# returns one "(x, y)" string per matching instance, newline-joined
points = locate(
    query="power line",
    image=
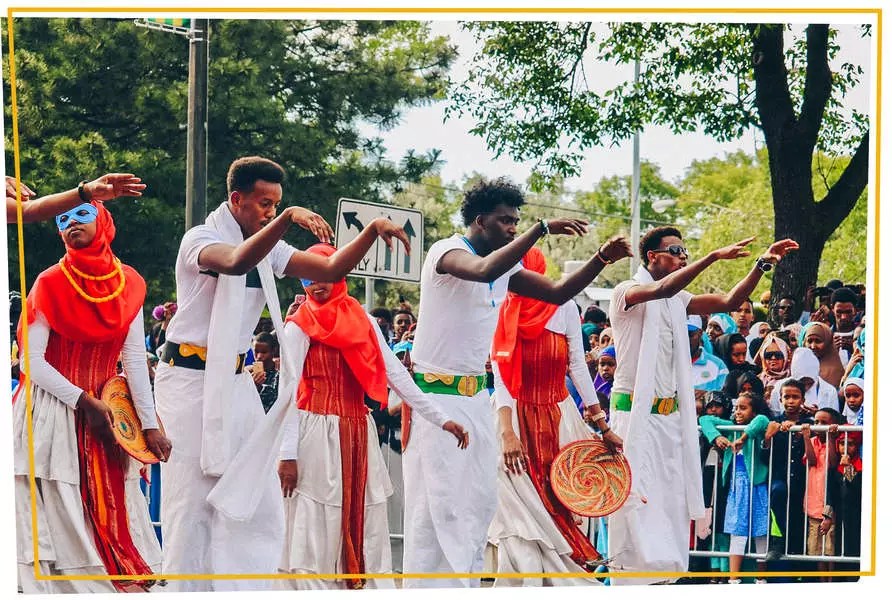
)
(587, 213)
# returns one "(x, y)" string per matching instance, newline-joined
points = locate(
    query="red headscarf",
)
(342, 323)
(67, 311)
(519, 317)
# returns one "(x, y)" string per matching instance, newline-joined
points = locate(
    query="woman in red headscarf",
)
(534, 346)
(82, 314)
(332, 471)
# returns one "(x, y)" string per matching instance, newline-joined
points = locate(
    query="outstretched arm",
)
(338, 265)
(103, 189)
(471, 267)
(713, 303)
(533, 285)
(675, 282)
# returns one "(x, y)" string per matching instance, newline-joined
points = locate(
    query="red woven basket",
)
(589, 479)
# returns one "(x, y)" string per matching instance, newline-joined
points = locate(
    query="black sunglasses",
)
(774, 356)
(674, 250)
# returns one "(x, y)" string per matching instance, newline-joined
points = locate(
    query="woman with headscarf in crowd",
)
(819, 339)
(746, 381)
(773, 358)
(754, 340)
(720, 324)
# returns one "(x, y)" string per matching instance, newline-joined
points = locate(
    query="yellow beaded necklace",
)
(119, 271)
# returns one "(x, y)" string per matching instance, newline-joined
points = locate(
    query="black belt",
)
(189, 356)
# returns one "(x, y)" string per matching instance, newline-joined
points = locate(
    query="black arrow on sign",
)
(350, 219)
(410, 233)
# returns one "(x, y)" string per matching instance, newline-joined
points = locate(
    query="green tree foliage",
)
(102, 95)
(531, 97)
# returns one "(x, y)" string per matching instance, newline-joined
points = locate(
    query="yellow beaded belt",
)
(190, 356)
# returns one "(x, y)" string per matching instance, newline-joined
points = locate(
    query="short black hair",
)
(484, 196)
(264, 324)
(383, 313)
(245, 171)
(403, 311)
(269, 338)
(835, 416)
(834, 284)
(593, 314)
(653, 238)
(844, 295)
(745, 301)
(796, 384)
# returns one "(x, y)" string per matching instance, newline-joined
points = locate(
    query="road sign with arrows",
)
(382, 262)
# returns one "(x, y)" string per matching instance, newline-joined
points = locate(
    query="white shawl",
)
(243, 483)
(222, 353)
(635, 440)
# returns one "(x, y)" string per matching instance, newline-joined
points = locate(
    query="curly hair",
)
(652, 239)
(245, 171)
(484, 196)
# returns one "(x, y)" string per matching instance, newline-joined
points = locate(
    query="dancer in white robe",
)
(207, 402)
(648, 314)
(450, 495)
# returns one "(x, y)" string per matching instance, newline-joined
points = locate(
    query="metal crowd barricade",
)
(152, 491)
(844, 431)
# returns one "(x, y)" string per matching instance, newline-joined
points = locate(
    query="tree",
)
(530, 95)
(99, 95)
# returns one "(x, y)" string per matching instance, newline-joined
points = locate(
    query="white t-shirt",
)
(196, 287)
(628, 328)
(456, 318)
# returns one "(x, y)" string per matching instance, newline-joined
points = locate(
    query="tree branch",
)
(841, 198)
(770, 74)
(818, 85)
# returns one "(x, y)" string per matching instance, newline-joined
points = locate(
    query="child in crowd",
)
(853, 392)
(265, 370)
(821, 457)
(746, 474)
(787, 454)
(846, 488)
(715, 490)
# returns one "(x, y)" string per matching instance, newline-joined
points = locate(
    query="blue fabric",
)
(725, 321)
(737, 511)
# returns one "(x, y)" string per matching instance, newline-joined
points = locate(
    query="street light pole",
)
(636, 183)
(197, 143)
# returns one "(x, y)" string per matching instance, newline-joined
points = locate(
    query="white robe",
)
(651, 531)
(313, 514)
(65, 542)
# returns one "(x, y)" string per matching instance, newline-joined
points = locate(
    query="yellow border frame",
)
(878, 12)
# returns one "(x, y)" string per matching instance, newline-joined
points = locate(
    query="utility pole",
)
(636, 184)
(197, 31)
(197, 142)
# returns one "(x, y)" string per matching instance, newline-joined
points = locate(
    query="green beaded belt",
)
(661, 406)
(457, 385)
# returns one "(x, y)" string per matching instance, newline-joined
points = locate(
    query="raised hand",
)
(312, 223)
(779, 249)
(114, 185)
(567, 226)
(158, 444)
(11, 189)
(616, 248)
(387, 230)
(737, 250)
(459, 432)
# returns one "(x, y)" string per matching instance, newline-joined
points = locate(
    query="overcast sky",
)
(424, 128)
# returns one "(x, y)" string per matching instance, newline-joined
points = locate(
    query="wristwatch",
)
(764, 265)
